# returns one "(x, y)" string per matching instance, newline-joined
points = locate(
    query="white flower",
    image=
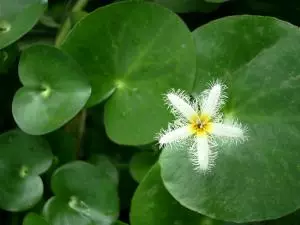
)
(199, 122)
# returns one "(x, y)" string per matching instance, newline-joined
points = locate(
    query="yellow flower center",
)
(201, 125)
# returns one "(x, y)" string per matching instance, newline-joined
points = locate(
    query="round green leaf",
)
(137, 52)
(23, 158)
(34, 219)
(17, 18)
(140, 164)
(258, 59)
(153, 205)
(54, 91)
(84, 195)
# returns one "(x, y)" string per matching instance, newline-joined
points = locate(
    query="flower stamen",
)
(202, 125)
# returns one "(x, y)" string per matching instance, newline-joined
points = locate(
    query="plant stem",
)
(66, 26)
(76, 127)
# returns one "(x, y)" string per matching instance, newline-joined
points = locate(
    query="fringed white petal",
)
(212, 100)
(175, 135)
(177, 101)
(202, 155)
(234, 131)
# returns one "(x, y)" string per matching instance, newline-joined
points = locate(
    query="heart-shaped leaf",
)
(145, 50)
(17, 18)
(23, 158)
(258, 59)
(55, 90)
(84, 195)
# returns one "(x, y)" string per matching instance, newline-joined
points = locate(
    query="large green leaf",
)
(153, 205)
(17, 18)
(23, 159)
(258, 58)
(84, 194)
(54, 91)
(137, 52)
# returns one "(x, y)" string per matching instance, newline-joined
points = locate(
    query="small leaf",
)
(23, 159)
(54, 91)
(17, 18)
(84, 195)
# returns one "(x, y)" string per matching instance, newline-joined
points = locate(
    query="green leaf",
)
(23, 159)
(17, 18)
(153, 205)
(54, 91)
(84, 195)
(34, 219)
(140, 164)
(184, 6)
(137, 52)
(258, 59)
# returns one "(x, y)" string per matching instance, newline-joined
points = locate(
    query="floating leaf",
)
(17, 18)
(137, 52)
(54, 91)
(258, 59)
(84, 195)
(23, 158)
